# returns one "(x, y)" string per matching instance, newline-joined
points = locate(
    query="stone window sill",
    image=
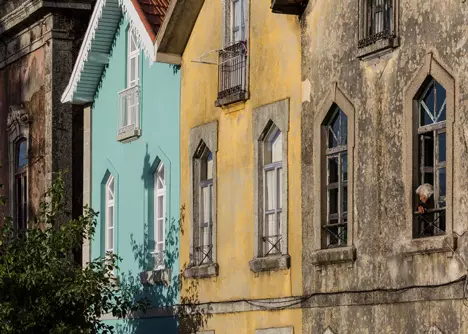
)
(270, 263)
(129, 135)
(156, 277)
(202, 271)
(233, 98)
(437, 244)
(378, 48)
(334, 255)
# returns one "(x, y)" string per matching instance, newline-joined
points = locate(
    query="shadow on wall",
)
(163, 316)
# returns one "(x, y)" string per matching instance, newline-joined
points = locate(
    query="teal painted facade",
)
(133, 165)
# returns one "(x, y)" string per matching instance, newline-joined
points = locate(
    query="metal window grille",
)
(377, 21)
(336, 159)
(159, 259)
(432, 164)
(232, 70)
(129, 109)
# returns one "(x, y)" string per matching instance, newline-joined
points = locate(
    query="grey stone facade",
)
(40, 41)
(387, 282)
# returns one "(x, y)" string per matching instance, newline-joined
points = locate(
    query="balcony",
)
(291, 7)
(129, 114)
(232, 85)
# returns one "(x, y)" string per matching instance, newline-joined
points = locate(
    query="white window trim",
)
(157, 193)
(135, 54)
(110, 203)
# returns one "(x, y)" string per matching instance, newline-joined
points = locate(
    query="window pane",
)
(160, 247)
(442, 147)
(206, 204)
(270, 190)
(280, 188)
(160, 207)
(132, 74)
(333, 234)
(110, 238)
(345, 199)
(427, 107)
(441, 106)
(428, 178)
(272, 225)
(331, 138)
(22, 154)
(206, 237)
(209, 166)
(161, 176)
(110, 216)
(332, 170)
(333, 201)
(442, 182)
(428, 144)
(344, 128)
(160, 236)
(276, 147)
(344, 166)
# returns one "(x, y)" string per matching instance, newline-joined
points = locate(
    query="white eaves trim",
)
(67, 95)
(85, 51)
(135, 23)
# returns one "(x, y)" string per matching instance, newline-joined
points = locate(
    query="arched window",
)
(159, 217)
(273, 183)
(432, 158)
(205, 241)
(335, 161)
(110, 215)
(21, 184)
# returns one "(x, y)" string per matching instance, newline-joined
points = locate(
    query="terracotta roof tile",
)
(152, 14)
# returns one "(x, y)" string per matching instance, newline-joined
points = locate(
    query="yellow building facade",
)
(241, 82)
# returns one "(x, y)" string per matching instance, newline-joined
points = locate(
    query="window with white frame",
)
(159, 217)
(273, 184)
(129, 115)
(110, 215)
(237, 22)
(335, 138)
(205, 244)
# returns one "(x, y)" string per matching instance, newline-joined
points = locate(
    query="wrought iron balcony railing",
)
(429, 223)
(129, 109)
(203, 255)
(232, 84)
(159, 259)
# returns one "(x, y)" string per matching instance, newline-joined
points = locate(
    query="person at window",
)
(425, 192)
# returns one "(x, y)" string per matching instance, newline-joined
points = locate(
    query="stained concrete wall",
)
(382, 193)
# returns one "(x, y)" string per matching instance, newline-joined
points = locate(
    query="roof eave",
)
(175, 31)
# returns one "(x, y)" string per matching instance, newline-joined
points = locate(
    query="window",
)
(18, 161)
(233, 57)
(110, 215)
(129, 115)
(270, 179)
(203, 147)
(159, 217)
(336, 161)
(205, 245)
(21, 185)
(273, 164)
(432, 157)
(377, 21)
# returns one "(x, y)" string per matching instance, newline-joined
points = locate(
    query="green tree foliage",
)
(43, 289)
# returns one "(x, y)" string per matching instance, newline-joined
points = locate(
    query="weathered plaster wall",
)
(132, 165)
(36, 59)
(274, 75)
(381, 228)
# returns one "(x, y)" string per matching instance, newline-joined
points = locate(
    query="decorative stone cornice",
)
(17, 115)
